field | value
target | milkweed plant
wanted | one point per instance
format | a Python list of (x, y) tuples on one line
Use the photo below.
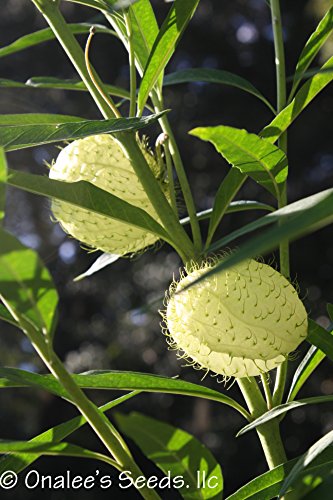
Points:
[(228, 313)]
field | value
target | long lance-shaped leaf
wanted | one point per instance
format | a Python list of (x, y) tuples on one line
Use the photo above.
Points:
[(224, 196), (304, 96), (17, 463), (312, 48), (233, 207), (170, 33), (305, 205), (218, 76), (300, 218), (252, 155), (36, 119), (61, 449), (26, 287), (307, 459), (106, 259), (307, 366), (45, 35), (26, 136), (282, 409), (85, 195), (105, 5), (49, 82), (311, 360), (267, 486), (94, 4), (3, 179), (115, 380), (170, 448), (321, 338), (144, 31)]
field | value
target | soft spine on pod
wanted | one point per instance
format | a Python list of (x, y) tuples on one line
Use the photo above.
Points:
[(101, 161), (237, 323)]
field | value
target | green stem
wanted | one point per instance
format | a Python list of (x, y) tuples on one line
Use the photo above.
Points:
[(131, 54), (180, 170), (268, 433), (169, 165), (168, 218), (103, 428), (267, 390), (283, 144)]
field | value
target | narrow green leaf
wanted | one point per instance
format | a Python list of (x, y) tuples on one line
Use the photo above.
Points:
[(245, 205), (26, 286), (175, 452), (144, 31), (49, 82), (321, 338), (267, 486), (233, 207), (170, 33), (45, 35), (282, 409), (304, 96), (103, 260), (300, 218), (317, 207), (313, 452), (36, 119), (17, 463), (3, 179), (60, 449), (114, 380), (253, 156), (224, 196), (104, 6), (26, 136), (310, 361), (312, 48), (307, 366), (85, 195), (210, 75)]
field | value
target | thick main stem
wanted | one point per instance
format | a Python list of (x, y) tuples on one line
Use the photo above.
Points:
[(268, 433)]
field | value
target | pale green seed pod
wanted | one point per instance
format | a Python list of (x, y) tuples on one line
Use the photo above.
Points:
[(100, 160), (238, 323)]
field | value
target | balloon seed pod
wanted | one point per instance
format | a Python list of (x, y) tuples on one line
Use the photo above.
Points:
[(100, 160), (237, 323)]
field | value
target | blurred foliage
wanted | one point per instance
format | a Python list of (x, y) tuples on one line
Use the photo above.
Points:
[(101, 322)]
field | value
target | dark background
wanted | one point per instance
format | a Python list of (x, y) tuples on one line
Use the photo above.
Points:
[(101, 324)]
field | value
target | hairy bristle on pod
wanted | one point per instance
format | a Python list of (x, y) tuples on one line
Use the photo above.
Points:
[(101, 161), (237, 323)]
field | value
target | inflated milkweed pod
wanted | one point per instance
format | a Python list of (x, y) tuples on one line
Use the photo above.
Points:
[(100, 160), (238, 323)]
